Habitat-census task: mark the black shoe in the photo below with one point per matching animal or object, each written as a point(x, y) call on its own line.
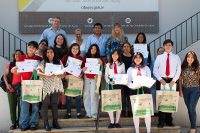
point(160, 125)
point(46, 126)
point(117, 125)
point(14, 126)
point(56, 125)
point(67, 116)
point(24, 129)
point(170, 124)
point(111, 125)
point(79, 116)
point(33, 128)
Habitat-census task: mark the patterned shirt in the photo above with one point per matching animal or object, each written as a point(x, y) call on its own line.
point(190, 78)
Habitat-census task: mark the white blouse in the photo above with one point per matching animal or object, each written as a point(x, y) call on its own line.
point(132, 72)
point(109, 72)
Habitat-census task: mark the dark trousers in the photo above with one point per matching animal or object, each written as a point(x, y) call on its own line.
point(191, 97)
point(52, 100)
point(14, 105)
point(126, 105)
point(164, 117)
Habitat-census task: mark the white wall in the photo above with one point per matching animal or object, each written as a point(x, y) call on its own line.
point(4, 107)
point(171, 13)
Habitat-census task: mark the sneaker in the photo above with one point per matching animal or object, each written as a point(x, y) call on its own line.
point(117, 125)
point(79, 116)
point(67, 116)
point(111, 125)
point(13, 127)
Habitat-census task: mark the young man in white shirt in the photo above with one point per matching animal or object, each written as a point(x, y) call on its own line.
point(167, 69)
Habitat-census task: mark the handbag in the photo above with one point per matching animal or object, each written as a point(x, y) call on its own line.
point(3, 84)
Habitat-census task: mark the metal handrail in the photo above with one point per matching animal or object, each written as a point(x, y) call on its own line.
point(183, 35)
point(9, 43)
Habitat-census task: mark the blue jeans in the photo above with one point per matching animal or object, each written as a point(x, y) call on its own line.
point(191, 97)
point(26, 120)
point(153, 92)
point(78, 104)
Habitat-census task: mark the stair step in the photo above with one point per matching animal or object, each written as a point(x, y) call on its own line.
point(126, 129)
point(104, 121)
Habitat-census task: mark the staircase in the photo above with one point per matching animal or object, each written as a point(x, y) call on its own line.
point(87, 125)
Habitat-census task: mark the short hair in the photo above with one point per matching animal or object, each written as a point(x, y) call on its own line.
point(98, 24)
point(76, 30)
point(57, 18)
point(168, 41)
point(45, 41)
point(34, 44)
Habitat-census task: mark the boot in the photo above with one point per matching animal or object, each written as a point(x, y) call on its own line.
point(56, 125)
point(46, 126)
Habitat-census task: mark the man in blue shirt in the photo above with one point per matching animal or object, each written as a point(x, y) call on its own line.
point(97, 38)
point(49, 34)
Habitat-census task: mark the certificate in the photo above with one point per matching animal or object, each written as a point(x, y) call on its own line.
point(74, 70)
point(53, 69)
point(73, 62)
point(92, 65)
point(120, 79)
point(141, 81)
point(27, 66)
point(167, 87)
point(142, 48)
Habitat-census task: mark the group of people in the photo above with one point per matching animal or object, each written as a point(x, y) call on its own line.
point(116, 56)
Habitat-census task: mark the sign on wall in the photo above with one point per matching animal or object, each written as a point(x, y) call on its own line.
point(134, 15)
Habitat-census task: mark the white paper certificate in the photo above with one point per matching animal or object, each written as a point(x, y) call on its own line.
point(167, 87)
point(53, 69)
point(92, 65)
point(120, 79)
point(142, 48)
point(27, 66)
point(142, 81)
point(73, 62)
point(74, 70)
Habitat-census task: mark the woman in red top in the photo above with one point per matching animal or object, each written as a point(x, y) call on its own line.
point(74, 52)
point(13, 84)
point(90, 97)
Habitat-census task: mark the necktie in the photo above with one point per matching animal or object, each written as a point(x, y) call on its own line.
point(167, 66)
point(139, 72)
point(115, 68)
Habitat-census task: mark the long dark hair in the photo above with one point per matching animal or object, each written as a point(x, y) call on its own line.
point(46, 59)
point(140, 33)
point(97, 54)
point(119, 57)
point(13, 55)
point(64, 45)
point(143, 64)
point(70, 49)
point(195, 63)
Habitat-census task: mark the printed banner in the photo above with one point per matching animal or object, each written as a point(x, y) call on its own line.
point(134, 15)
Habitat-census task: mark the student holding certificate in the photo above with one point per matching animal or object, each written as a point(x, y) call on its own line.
point(52, 86)
point(90, 97)
point(74, 52)
point(115, 66)
point(139, 68)
point(141, 39)
point(28, 120)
